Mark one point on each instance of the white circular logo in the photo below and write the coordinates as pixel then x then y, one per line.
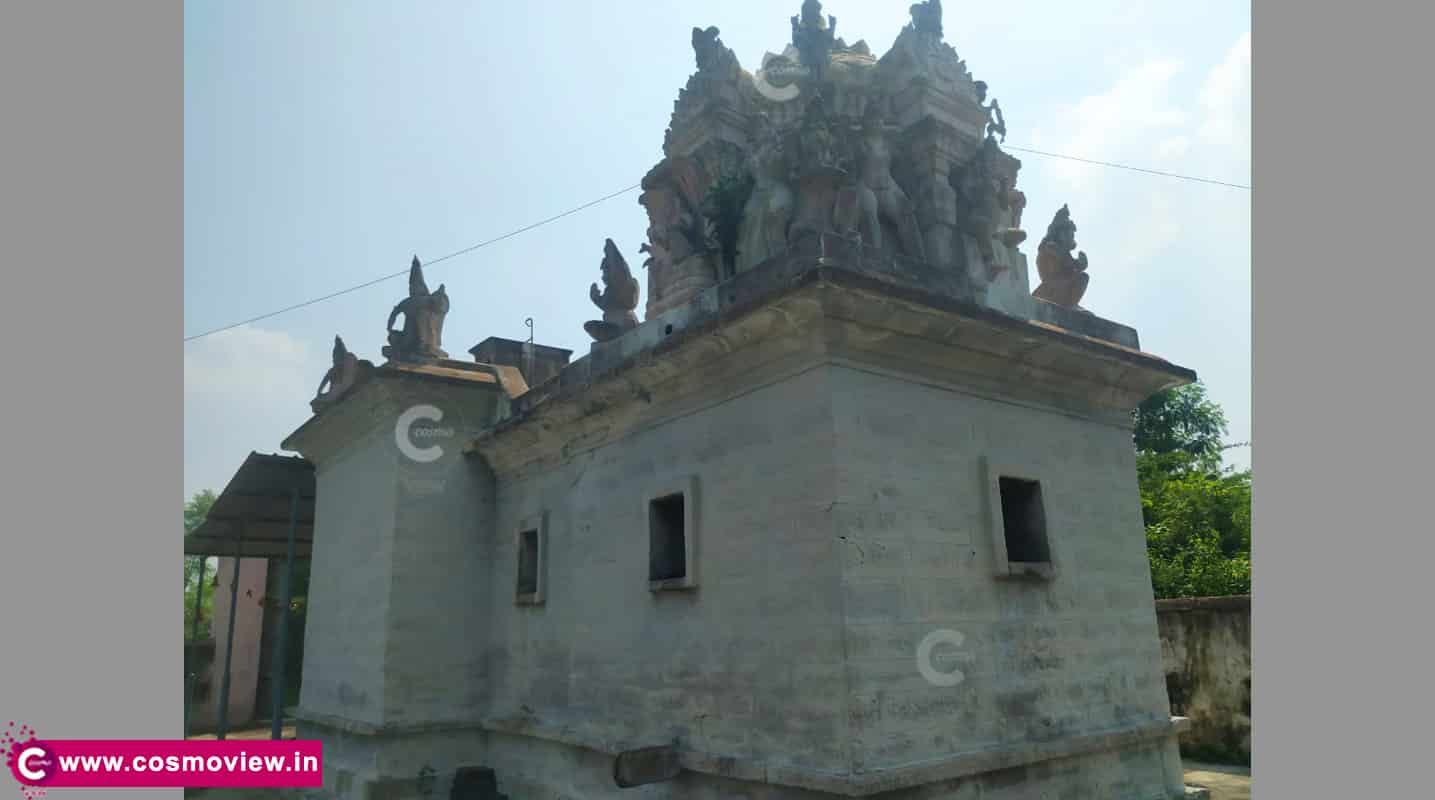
pixel 29 759
pixel 404 433
pixel 777 80
pixel 924 657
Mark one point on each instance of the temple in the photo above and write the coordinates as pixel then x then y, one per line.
pixel 851 512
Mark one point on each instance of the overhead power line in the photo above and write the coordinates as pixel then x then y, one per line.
pixel 619 193
pixel 1125 166
pixel 431 262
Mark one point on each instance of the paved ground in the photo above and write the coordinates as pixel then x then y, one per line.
pixel 287 732
pixel 1225 783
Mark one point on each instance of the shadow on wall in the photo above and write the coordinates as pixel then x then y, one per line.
pixel 1206 655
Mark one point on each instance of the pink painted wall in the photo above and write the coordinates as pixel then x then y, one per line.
pixel 248 628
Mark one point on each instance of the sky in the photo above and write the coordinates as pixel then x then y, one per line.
pixel 327 143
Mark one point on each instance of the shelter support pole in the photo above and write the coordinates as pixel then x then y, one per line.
pixel 277 672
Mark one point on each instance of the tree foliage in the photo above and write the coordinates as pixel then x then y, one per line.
pixel 1181 420
pixel 195 512
pixel 1197 512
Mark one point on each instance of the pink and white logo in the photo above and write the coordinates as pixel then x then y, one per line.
pixel 39 766
pixel 31 761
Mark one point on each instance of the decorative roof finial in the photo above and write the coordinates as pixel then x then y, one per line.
pixel 416 279
pixel 617 299
pixel 423 313
pixel 927 17
pixel 1063 277
pixel 339 378
pixel 814 37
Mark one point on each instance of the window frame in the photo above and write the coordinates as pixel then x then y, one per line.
pixel 687 487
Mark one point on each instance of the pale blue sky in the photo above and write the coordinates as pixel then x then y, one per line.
pixel 327 142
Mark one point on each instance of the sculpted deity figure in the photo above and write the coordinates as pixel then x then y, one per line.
pixel 977 191
pixel 706 47
pixel 669 224
pixel 879 197
pixel 819 148
pixel 765 219
pixel 984 202
pixel 826 192
pixel 1063 277
pixel 996 123
pixel 814 37
pixel 683 245
pixel 617 299
pixel 1016 204
pixel 423 312
pixel 338 379
pixel 927 17
pixel 712 55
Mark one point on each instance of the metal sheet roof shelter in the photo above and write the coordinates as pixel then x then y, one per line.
pixel 250 518
pixel 266 511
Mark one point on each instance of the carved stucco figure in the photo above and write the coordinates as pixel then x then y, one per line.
pixel 423 311
pixel 1063 276
pixel 617 299
pixel 996 123
pixel 680 238
pixel 879 197
pixel 675 224
pixel 927 17
pixel 920 52
pixel 937 187
pixel 814 37
pixel 984 206
pixel 769 209
pixel 339 378
pixel 713 57
pixel 977 201
pixel 670 222
pixel 826 194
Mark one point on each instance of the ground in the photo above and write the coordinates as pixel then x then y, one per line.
pixel 1225 783
pixel 287 732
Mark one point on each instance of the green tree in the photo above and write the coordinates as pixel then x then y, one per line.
pixel 1197 512
pixel 1181 420
pixel 195 512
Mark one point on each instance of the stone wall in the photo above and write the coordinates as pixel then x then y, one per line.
pixel 1039 659
pixel 347 625
pixel 1206 655
pixel 747 664
pixel 834 532
pixel 837 444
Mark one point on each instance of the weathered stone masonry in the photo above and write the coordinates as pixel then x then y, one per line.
pixel 855 517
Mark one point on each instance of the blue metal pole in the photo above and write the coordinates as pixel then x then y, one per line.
pixel 277 672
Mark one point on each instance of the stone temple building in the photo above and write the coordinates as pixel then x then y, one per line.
pixel 852 511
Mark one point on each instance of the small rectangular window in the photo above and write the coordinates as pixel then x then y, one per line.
pixel 667 537
pixel 671 511
pixel 528 562
pixel 531 543
pixel 1023 521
